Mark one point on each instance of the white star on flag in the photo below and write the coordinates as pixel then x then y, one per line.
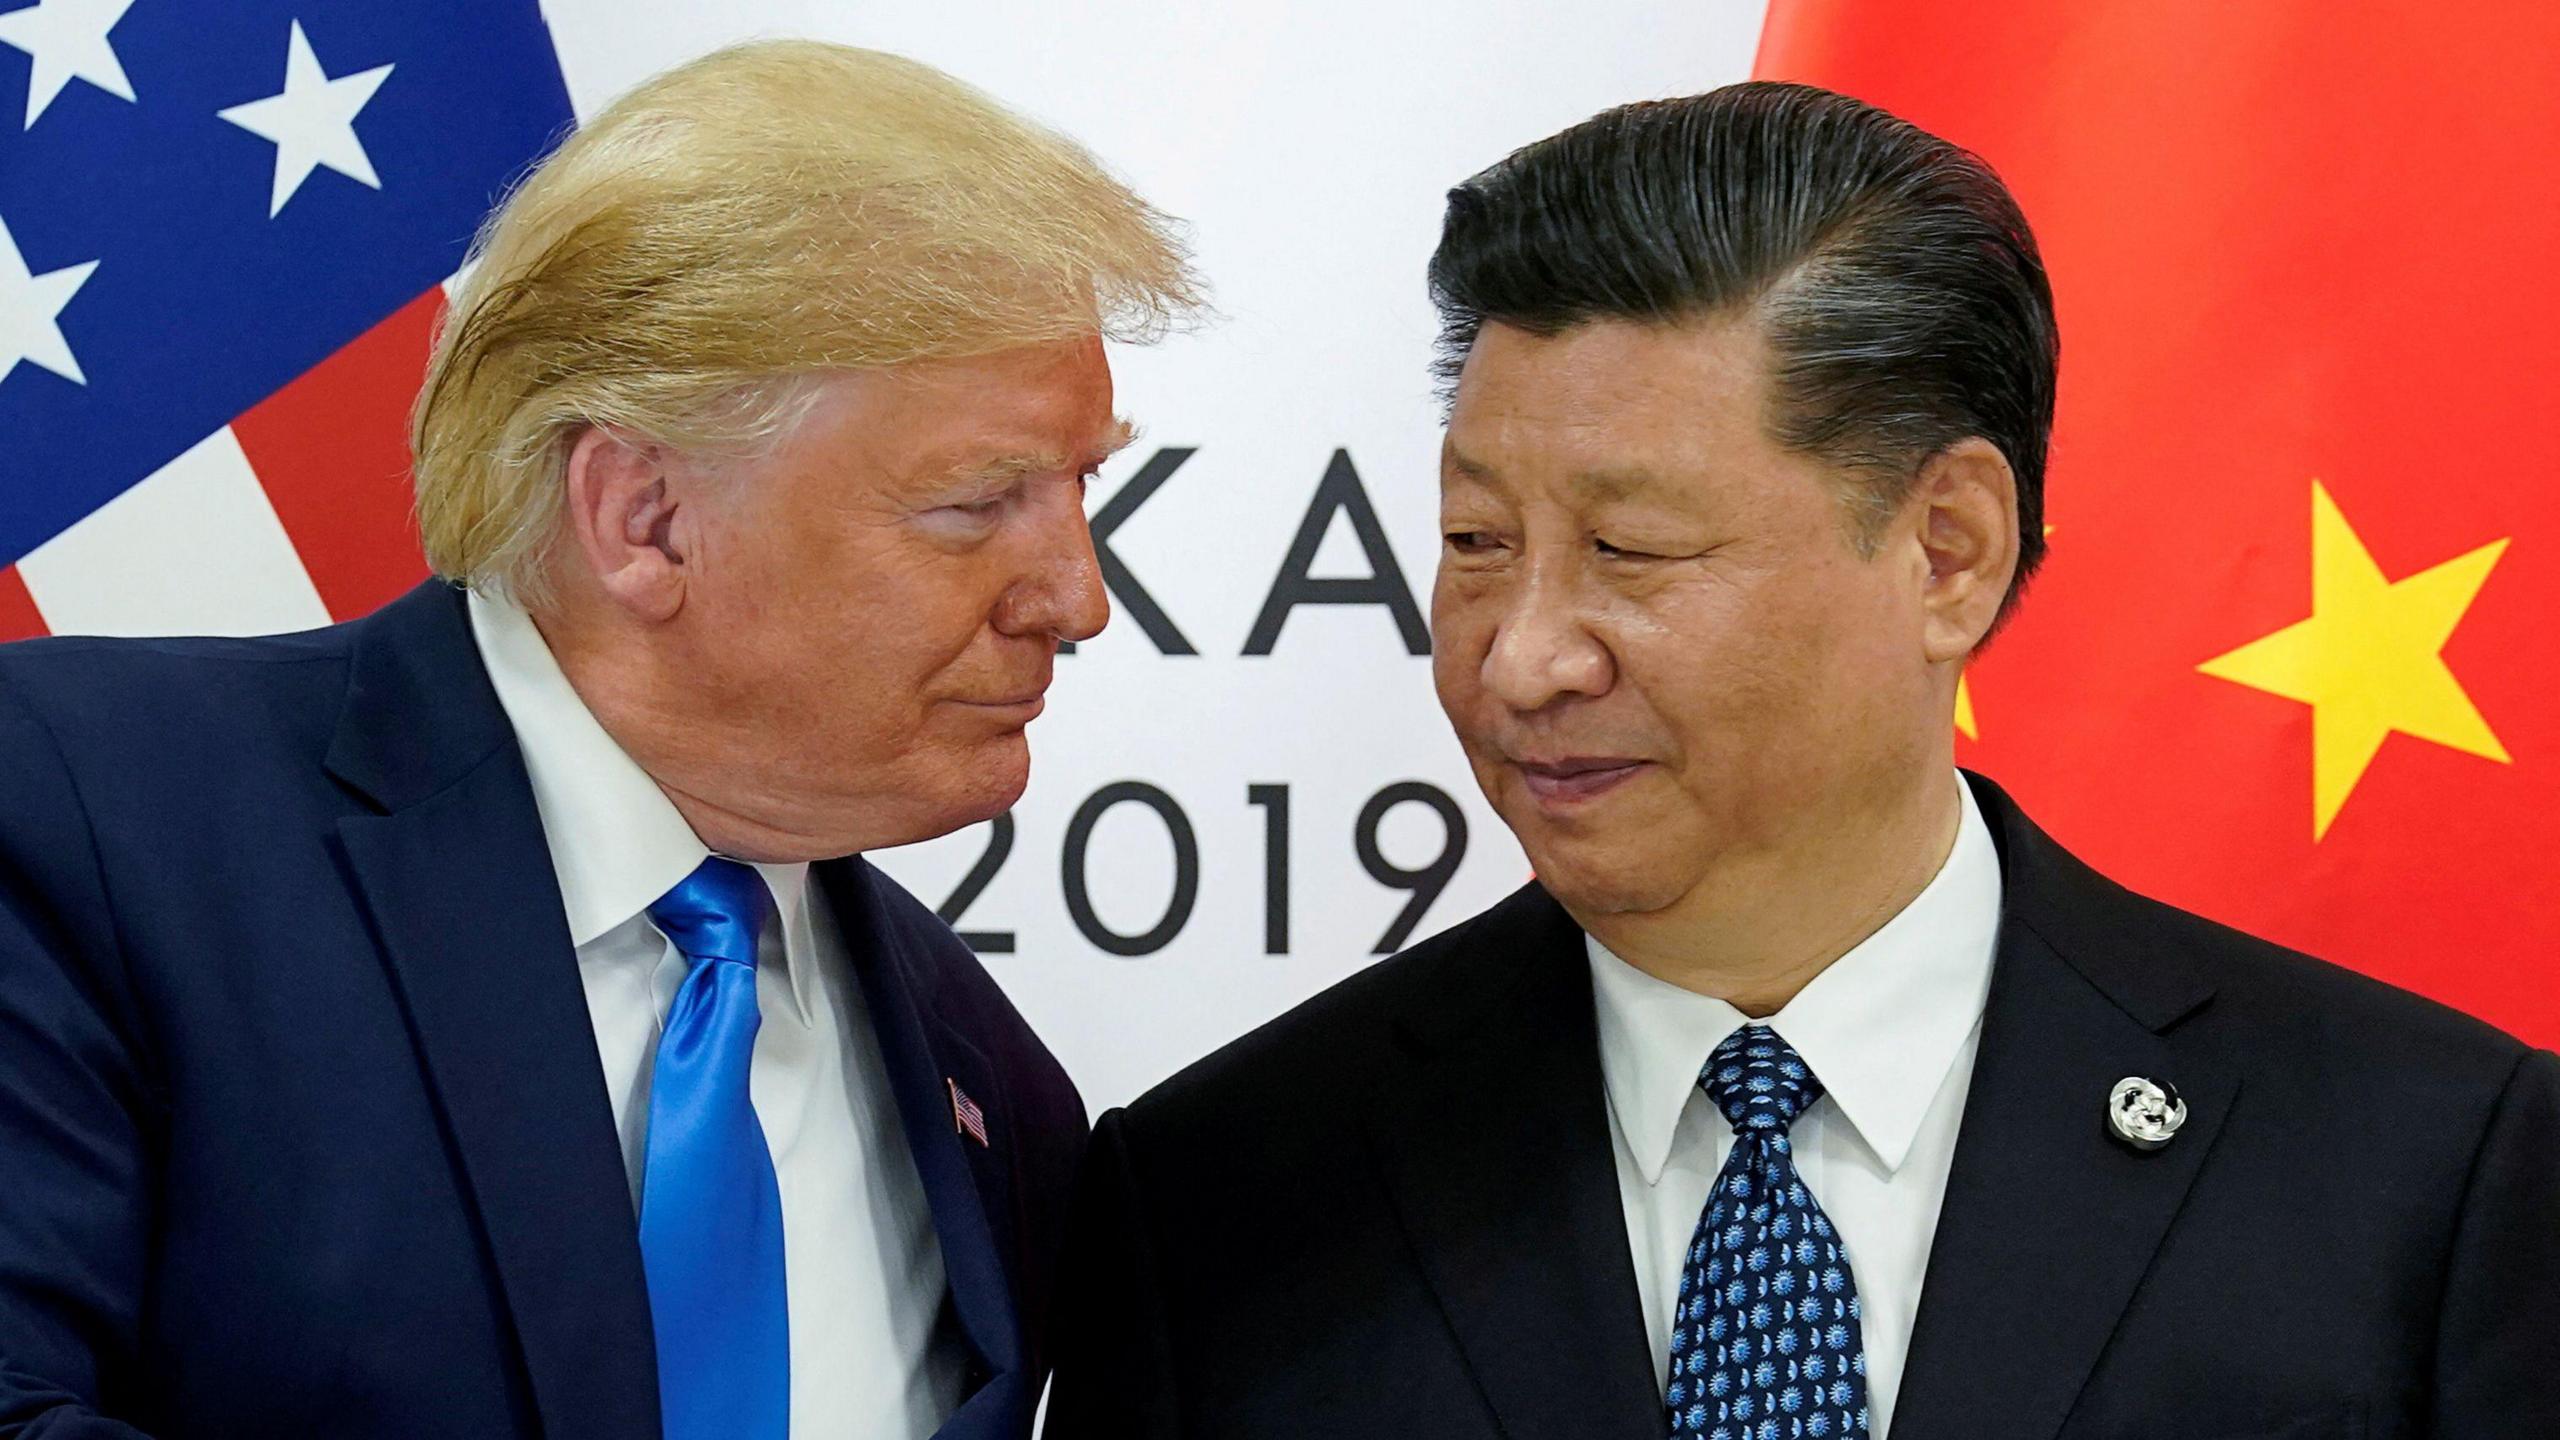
pixel 28 305
pixel 313 122
pixel 67 41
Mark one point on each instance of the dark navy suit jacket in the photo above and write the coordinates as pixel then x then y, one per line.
pixel 1394 1211
pixel 302 1126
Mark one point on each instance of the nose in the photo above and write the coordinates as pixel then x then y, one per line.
pixel 1544 649
pixel 1061 591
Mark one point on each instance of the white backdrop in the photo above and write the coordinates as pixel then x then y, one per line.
pixel 1309 146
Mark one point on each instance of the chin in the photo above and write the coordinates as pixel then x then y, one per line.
pixel 1590 891
pixel 930 792
pixel 1593 876
pixel 997 777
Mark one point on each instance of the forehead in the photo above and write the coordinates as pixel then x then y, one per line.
pixel 1047 403
pixel 1616 406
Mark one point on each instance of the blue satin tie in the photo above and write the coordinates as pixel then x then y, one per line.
pixel 710 1210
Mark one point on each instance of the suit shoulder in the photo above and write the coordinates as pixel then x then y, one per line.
pixel 2313 1011
pixel 957 974
pixel 967 995
pixel 137 693
pixel 1324 1041
pixel 111 655
pixel 2319 1030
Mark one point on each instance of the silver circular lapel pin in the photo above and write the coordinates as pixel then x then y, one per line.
pixel 2145 1114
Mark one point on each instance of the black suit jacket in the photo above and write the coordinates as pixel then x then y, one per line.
pixel 302 1126
pixel 1394 1211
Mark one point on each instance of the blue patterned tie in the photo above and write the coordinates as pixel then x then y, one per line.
pixel 1765 1344
pixel 710 1211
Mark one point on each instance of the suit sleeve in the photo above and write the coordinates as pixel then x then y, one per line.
pixel 2497 1369
pixel 74 1208
pixel 1114 1377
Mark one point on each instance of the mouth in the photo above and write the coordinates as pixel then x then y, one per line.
pixel 1013 710
pixel 1576 779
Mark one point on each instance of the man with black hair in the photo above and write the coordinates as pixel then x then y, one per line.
pixel 1811 1090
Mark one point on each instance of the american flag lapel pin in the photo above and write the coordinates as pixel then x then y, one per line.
pixel 966 1117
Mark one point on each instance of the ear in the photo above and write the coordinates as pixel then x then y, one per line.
pixel 621 515
pixel 1967 499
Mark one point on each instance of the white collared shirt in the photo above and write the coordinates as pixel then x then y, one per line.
pixel 870 1355
pixel 1889 1028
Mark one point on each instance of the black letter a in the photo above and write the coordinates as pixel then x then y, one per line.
pixel 1384 585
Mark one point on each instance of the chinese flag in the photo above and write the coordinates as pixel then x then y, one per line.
pixel 2293 661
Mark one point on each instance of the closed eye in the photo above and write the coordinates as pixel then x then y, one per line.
pixel 1608 551
pixel 986 506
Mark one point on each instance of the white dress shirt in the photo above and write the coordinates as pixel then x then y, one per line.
pixel 1889 1028
pixel 869 1354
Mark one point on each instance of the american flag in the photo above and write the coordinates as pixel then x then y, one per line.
pixel 225 233
pixel 965 1114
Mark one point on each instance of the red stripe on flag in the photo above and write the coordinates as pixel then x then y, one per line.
pixel 18 617
pixel 332 450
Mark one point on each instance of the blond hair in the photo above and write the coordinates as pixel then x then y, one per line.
pixel 681 266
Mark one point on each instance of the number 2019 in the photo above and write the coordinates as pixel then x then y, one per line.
pixel 1423 884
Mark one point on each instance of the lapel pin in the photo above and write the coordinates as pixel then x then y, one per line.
pixel 966 1117
pixel 2145 1114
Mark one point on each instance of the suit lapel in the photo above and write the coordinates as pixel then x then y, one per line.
pixel 967 1184
pixel 458 881
pixel 1491 1130
pixel 2050 1222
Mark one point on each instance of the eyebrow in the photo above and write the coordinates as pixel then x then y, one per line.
pixel 1612 484
pixel 1004 468
pixel 1616 484
pixel 1467 465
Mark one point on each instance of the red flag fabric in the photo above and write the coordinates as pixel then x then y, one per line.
pixel 332 453
pixel 2290 662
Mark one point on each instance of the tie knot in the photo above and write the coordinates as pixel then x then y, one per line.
pixel 714 913
pixel 1759 1082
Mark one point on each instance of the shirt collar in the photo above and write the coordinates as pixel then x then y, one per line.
pixel 789 882
pixel 1880 1026
pixel 617 842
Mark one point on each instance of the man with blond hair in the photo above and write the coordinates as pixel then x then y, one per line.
pixel 476 1019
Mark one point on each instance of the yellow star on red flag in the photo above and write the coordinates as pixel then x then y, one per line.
pixel 2369 660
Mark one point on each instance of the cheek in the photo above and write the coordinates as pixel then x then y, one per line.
pixel 1699 646
pixel 944 615
pixel 1461 630
pixel 1736 675
pixel 810 577
pixel 1862 630
pixel 1809 684
pixel 914 606
pixel 1454 678
pixel 855 639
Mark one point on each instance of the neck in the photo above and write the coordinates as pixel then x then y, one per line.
pixel 744 837
pixel 1756 931
pixel 620 685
